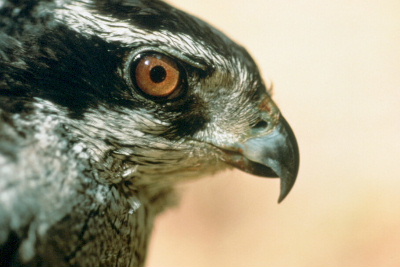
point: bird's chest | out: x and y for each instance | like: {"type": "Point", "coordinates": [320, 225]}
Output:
{"type": "Point", "coordinates": [105, 229]}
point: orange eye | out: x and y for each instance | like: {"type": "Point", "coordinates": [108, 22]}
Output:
{"type": "Point", "coordinates": [158, 76]}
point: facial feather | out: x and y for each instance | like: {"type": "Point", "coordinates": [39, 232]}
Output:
{"type": "Point", "coordinates": [90, 149]}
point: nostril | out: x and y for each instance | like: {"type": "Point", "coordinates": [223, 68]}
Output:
{"type": "Point", "coordinates": [260, 125]}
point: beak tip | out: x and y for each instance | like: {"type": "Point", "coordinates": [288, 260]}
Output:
{"type": "Point", "coordinates": [288, 181]}
{"type": "Point", "coordinates": [281, 198]}
{"type": "Point", "coordinates": [285, 189]}
{"type": "Point", "coordinates": [288, 178]}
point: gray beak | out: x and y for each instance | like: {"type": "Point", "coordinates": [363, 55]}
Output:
{"type": "Point", "coordinates": [274, 154]}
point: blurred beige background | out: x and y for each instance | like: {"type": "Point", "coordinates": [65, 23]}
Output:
{"type": "Point", "coordinates": [336, 70]}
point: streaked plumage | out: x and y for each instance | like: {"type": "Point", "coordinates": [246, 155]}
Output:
{"type": "Point", "coordinates": [88, 159]}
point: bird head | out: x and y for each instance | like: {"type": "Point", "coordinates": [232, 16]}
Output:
{"type": "Point", "coordinates": [154, 94]}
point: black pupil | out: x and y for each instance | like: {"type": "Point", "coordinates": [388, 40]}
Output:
{"type": "Point", "coordinates": [158, 74]}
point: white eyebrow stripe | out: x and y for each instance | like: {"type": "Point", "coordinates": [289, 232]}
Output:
{"type": "Point", "coordinates": [80, 18]}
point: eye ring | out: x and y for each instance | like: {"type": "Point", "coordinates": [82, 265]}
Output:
{"type": "Point", "coordinates": [157, 76]}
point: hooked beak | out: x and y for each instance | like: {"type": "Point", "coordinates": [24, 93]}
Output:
{"type": "Point", "coordinates": [274, 154]}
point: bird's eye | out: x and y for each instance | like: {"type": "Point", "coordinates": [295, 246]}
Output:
{"type": "Point", "coordinates": [157, 76]}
